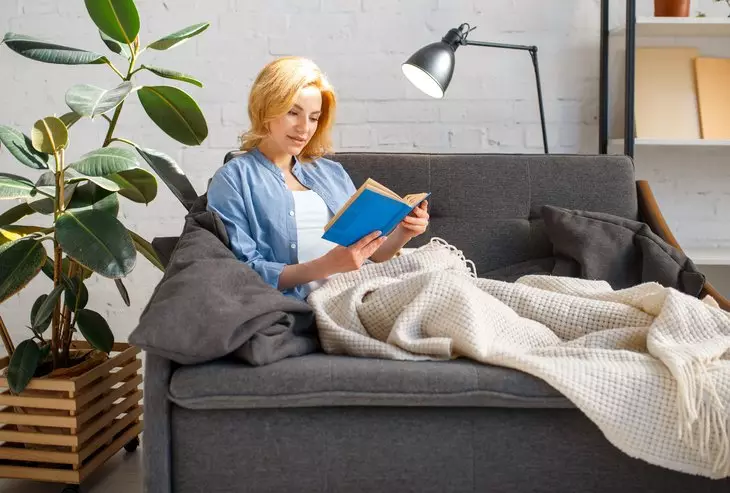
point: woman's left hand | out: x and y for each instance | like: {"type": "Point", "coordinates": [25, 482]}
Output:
{"type": "Point", "coordinates": [416, 222]}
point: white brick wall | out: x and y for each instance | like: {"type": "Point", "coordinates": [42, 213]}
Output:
{"type": "Point", "coordinates": [490, 107]}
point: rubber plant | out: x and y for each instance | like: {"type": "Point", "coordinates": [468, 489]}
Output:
{"type": "Point", "coordinates": [81, 198]}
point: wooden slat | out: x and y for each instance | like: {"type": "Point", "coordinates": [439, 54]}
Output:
{"type": "Point", "coordinates": [115, 394]}
{"type": "Point", "coordinates": [93, 428]}
{"type": "Point", "coordinates": [103, 369]}
{"type": "Point", "coordinates": [38, 438]}
{"type": "Point", "coordinates": [115, 429]}
{"type": "Point", "coordinates": [117, 347]}
{"type": "Point", "coordinates": [40, 474]}
{"type": "Point", "coordinates": [38, 402]}
{"type": "Point", "coordinates": [112, 449]}
{"type": "Point", "coordinates": [38, 420]}
{"type": "Point", "coordinates": [14, 453]}
{"type": "Point", "coordinates": [95, 409]}
{"type": "Point", "coordinates": [44, 384]}
{"type": "Point", "coordinates": [105, 385]}
{"type": "Point", "coordinates": [4, 361]}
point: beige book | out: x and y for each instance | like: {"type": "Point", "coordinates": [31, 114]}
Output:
{"type": "Point", "coordinates": [665, 97]}
{"type": "Point", "coordinates": [713, 93]}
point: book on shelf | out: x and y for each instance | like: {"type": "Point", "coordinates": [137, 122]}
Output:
{"type": "Point", "coordinates": [373, 207]}
{"type": "Point", "coordinates": [666, 103]}
{"type": "Point", "coordinates": [713, 96]}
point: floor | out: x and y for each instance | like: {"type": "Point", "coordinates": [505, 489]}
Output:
{"type": "Point", "coordinates": [121, 474]}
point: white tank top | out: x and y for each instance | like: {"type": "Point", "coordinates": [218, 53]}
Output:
{"type": "Point", "coordinates": [311, 215]}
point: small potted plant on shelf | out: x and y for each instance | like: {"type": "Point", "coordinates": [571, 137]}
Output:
{"type": "Point", "coordinates": [61, 418]}
{"type": "Point", "coordinates": [671, 8]}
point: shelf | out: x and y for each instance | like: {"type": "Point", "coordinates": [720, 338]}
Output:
{"type": "Point", "coordinates": [709, 256]}
{"type": "Point", "coordinates": [670, 27]}
{"type": "Point", "coordinates": [674, 142]}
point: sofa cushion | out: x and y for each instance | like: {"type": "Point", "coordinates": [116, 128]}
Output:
{"type": "Point", "coordinates": [488, 205]}
{"type": "Point", "coordinates": [623, 252]}
{"type": "Point", "coordinates": [329, 380]}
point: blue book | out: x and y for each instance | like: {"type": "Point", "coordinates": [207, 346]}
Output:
{"type": "Point", "coordinates": [372, 208]}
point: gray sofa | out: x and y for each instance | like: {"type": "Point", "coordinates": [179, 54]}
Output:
{"type": "Point", "coordinates": [321, 423]}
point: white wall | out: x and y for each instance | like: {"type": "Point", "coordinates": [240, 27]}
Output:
{"type": "Point", "coordinates": [490, 106]}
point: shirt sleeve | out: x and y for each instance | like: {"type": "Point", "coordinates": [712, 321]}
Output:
{"type": "Point", "coordinates": [226, 200]}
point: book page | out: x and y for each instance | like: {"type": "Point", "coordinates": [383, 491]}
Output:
{"type": "Point", "coordinates": [414, 198]}
{"type": "Point", "coordinates": [381, 189]}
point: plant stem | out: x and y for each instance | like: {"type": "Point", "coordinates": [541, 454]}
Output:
{"type": "Point", "coordinates": [115, 69]}
{"type": "Point", "coordinates": [7, 341]}
{"type": "Point", "coordinates": [119, 139]}
{"type": "Point", "coordinates": [68, 324]}
{"type": "Point", "coordinates": [118, 110]}
{"type": "Point", "coordinates": [57, 259]}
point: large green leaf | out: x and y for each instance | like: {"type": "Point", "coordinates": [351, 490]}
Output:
{"type": "Point", "coordinates": [38, 325]}
{"type": "Point", "coordinates": [92, 196]}
{"type": "Point", "coordinates": [70, 294]}
{"type": "Point", "coordinates": [69, 118]}
{"type": "Point", "coordinates": [138, 185]}
{"type": "Point", "coordinates": [115, 46]}
{"type": "Point", "coordinates": [43, 51]}
{"type": "Point", "coordinates": [95, 330]}
{"type": "Point", "coordinates": [23, 365]}
{"type": "Point", "coordinates": [89, 100]}
{"type": "Point", "coordinates": [171, 74]}
{"type": "Point", "coordinates": [98, 241]}
{"type": "Point", "coordinates": [21, 147]}
{"type": "Point", "coordinates": [15, 214]}
{"type": "Point", "coordinates": [171, 174]}
{"type": "Point", "coordinates": [49, 135]}
{"type": "Point", "coordinates": [175, 112]}
{"type": "Point", "coordinates": [146, 249]}
{"type": "Point", "coordinates": [178, 37]}
{"type": "Point", "coordinates": [20, 261]}
{"type": "Point", "coordinates": [123, 292]}
{"type": "Point", "coordinates": [118, 19]}
{"type": "Point", "coordinates": [106, 161]}
{"type": "Point", "coordinates": [45, 309]}
{"type": "Point", "coordinates": [73, 176]}
{"type": "Point", "coordinates": [14, 187]}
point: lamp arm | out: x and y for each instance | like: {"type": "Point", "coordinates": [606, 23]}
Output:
{"type": "Point", "coordinates": [533, 55]}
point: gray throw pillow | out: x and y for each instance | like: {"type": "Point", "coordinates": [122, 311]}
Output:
{"type": "Point", "coordinates": [623, 252]}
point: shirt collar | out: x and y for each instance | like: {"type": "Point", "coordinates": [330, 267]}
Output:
{"type": "Point", "coordinates": [261, 158]}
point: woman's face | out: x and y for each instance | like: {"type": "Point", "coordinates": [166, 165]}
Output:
{"type": "Point", "coordinates": [292, 131]}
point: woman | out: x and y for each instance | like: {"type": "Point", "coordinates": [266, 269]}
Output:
{"type": "Point", "coordinates": [276, 199]}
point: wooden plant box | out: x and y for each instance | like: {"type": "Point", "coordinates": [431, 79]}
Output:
{"type": "Point", "coordinates": [60, 429]}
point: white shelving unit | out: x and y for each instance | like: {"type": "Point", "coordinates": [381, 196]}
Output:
{"type": "Point", "coordinates": [674, 142]}
{"type": "Point", "coordinates": [678, 27]}
{"type": "Point", "coordinates": [709, 256]}
{"type": "Point", "coordinates": [705, 32]}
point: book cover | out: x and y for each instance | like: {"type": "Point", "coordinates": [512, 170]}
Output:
{"type": "Point", "coordinates": [372, 208]}
{"type": "Point", "coordinates": [713, 81]}
{"type": "Point", "coordinates": [666, 98]}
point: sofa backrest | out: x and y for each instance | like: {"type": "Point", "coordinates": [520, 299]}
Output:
{"type": "Point", "coordinates": [488, 205]}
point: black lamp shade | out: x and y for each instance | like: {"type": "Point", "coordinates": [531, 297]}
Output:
{"type": "Point", "coordinates": [430, 68]}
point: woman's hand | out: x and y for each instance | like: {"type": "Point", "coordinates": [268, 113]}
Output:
{"type": "Point", "coordinates": [346, 259]}
{"type": "Point", "coordinates": [416, 222]}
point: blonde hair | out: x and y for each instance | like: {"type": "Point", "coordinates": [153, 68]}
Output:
{"type": "Point", "coordinates": [273, 94]}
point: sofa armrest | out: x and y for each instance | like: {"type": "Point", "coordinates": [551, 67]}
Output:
{"type": "Point", "coordinates": [651, 215]}
{"type": "Point", "coordinates": [156, 449]}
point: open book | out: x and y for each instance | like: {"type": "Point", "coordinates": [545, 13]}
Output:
{"type": "Point", "coordinates": [372, 208]}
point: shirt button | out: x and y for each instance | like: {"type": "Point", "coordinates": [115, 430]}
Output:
{"type": "Point", "coordinates": [293, 245]}
{"type": "Point", "coordinates": [291, 213]}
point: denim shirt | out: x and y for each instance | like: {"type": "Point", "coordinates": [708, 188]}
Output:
{"type": "Point", "coordinates": [251, 197]}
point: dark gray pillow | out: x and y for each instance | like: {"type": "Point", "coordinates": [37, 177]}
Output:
{"type": "Point", "coordinates": [623, 252]}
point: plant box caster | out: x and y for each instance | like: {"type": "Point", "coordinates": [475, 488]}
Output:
{"type": "Point", "coordinates": [61, 429]}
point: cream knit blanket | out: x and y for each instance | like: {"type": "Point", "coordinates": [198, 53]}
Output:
{"type": "Point", "coordinates": [649, 365]}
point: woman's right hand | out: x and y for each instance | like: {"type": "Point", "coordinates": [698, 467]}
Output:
{"type": "Point", "coordinates": [346, 259]}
